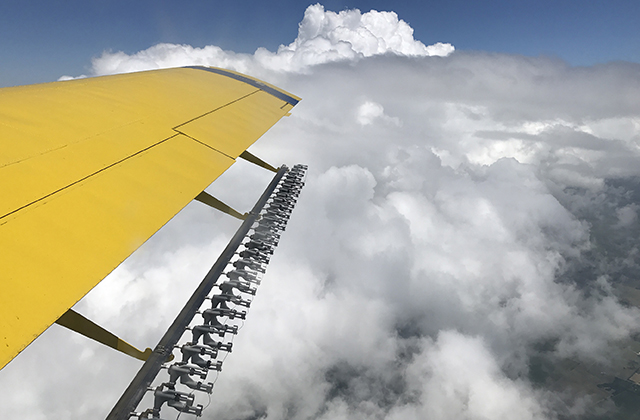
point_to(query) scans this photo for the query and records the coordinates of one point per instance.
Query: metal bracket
(256, 160)
(147, 373)
(211, 201)
(78, 323)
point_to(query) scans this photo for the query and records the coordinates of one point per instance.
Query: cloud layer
(465, 215)
(323, 37)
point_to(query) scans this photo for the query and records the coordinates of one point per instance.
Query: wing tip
(269, 88)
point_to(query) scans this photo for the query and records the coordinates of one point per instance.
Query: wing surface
(91, 168)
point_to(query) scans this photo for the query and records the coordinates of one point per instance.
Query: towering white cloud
(451, 231)
(323, 37)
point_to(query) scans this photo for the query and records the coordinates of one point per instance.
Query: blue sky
(42, 40)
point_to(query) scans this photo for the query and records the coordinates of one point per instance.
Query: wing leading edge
(91, 168)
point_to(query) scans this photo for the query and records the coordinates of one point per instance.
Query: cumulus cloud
(369, 111)
(464, 382)
(468, 227)
(323, 37)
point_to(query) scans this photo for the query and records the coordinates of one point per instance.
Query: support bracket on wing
(211, 201)
(78, 323)
(257, 161)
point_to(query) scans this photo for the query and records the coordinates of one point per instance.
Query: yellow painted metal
(229, 128)
(91, 168)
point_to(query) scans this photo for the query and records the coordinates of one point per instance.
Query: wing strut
(78, 323)
(211, 201)
(257, 161)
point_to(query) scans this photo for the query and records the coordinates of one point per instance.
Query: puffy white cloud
(369, 111)
(323, 37)
(464, 382)
(451, 226)
(627, 215)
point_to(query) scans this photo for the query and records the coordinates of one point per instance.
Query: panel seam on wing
(205, 144)
(73, 143)
(85, 177)
(214, 110)
(176, 128)
(178, 132)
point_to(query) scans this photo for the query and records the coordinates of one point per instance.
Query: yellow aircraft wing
(91, 168)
